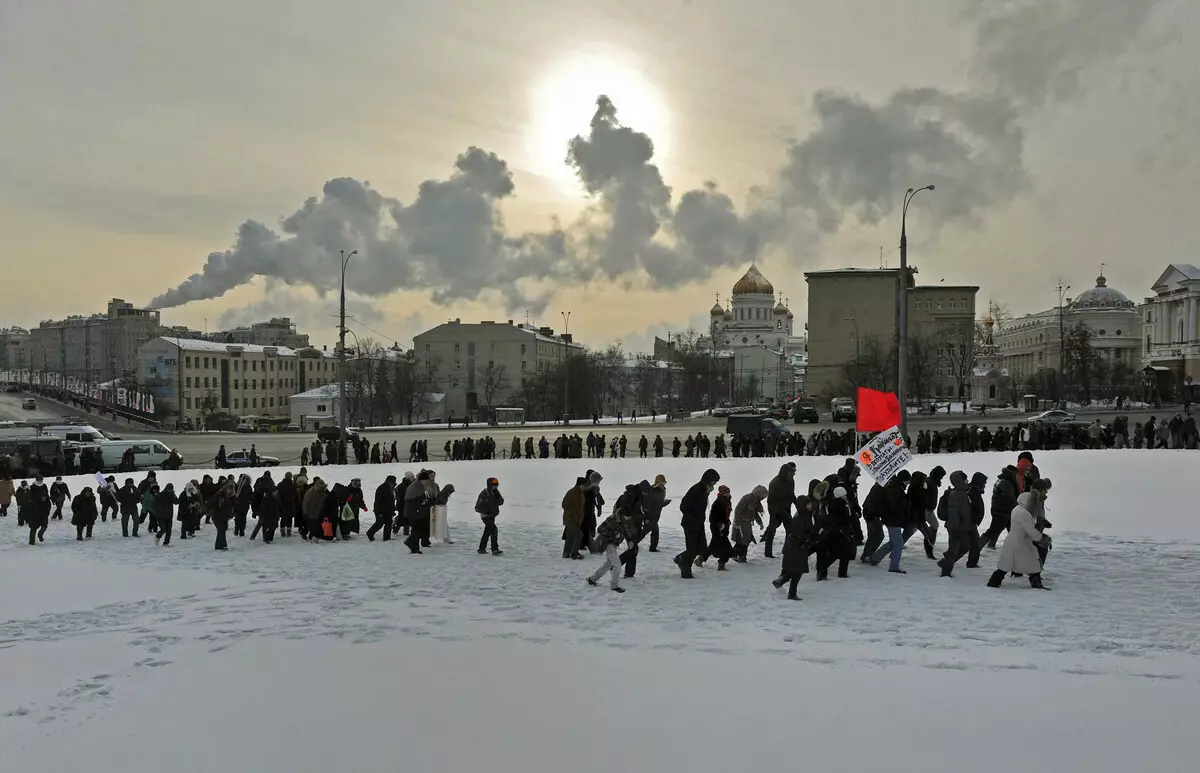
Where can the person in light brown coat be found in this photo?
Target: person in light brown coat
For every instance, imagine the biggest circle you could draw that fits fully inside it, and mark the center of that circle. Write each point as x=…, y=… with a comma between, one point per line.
x=573, y=513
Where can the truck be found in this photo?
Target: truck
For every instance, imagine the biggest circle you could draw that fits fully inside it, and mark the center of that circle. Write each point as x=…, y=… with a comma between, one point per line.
x=842, y=409
x=754, y=425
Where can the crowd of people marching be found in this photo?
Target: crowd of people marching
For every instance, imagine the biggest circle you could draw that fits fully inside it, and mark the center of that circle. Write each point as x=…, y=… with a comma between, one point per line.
x=824, y=520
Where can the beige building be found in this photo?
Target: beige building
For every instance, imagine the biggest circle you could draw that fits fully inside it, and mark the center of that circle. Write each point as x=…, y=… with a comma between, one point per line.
x=1170, y=324
x=96, y=348
x=192, y=379
x=852, y=318
x=278, y=331
x=14, y=350
x=1032, y=344
x=471, y=362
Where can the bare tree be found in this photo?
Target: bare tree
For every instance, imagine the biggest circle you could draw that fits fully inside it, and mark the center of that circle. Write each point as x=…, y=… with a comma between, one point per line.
x=493, y=384
x=875, y=367
x=922, y=364
x=958, y=354
x=1083, y=365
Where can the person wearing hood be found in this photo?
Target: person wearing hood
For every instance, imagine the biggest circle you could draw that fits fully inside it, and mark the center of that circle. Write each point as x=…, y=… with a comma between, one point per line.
x=401, y=521
x=975, y=493
x=289, y=503
x=872, y=513
x=622, y=525
x=311, y=508
x=221, y=506
x=651, y=500
x=1041, y=490
x=801, y=538
x=748, y=512
x=1004, y=498
x=488, y=505
x=720, y=522
x=83, y=513
x=241, y=507
x=933, y=485
x=1019, y=553
x=417, y=502
x=955, y=507
x=443, y=499
x=385, y=509
x=573, y=509
x=163, y=508
x=781, y=493
x=836, y=539
x=694, y=507
x=127, y=502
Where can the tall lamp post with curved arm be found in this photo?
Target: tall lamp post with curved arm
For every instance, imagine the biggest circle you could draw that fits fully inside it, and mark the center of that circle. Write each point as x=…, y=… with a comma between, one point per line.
x=342, y=349
x=902, y=301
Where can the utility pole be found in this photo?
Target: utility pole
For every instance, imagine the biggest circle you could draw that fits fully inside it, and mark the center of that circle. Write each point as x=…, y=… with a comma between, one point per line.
x=902, y=300
x=1062, y=343
x=342, y=402
x=670, y=377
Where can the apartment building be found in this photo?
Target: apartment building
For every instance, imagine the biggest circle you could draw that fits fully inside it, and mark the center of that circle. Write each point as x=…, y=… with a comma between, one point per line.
x=95, y=348
x=191, y=379
x=278, y=331
x=468, y=361
x=851, y=310
x=14, y=349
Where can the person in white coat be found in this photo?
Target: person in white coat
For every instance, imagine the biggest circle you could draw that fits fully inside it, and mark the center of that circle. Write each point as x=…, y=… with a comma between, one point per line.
x=1019, y=553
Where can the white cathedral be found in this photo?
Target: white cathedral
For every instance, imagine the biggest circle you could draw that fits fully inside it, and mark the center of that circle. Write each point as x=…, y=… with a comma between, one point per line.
x=755, y=329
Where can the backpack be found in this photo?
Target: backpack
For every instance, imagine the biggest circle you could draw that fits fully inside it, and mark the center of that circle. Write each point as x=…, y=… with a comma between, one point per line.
x=943, y=505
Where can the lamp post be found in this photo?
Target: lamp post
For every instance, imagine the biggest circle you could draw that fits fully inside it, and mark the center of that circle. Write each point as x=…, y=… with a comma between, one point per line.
x=902, y=301
x=566, y=315
x=342, y=352
x=1062, y=344
x=857, y=350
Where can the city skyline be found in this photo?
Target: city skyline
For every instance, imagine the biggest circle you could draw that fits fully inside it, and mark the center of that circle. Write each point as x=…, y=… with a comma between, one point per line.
x=1055, y=133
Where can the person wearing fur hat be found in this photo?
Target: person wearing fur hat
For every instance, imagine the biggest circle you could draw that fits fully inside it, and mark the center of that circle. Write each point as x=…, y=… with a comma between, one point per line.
x=748, y=512
x=720, y=520
x=694, y=507
x=836, y=539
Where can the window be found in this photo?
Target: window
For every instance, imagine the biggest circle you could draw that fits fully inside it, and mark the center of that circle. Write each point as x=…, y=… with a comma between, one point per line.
x=454, y=383
x=1147, y=343
x=187, y=402
x=272, y=364
x=188, y=382
x=456, y=348
x=235, y=403
x=206, y=363
x=953, y=305
x=254, y=384
x=272, y=402
x=522, y=348
x=235, y=383
x=522, y=363
x=255, y=402
x=206, y=382
x=322, y=408
x=470, y=349
x=1101, y=331
x=939, y=304
x=187, y=361
x=427, y=348
x=235, y=364
x=457, y=364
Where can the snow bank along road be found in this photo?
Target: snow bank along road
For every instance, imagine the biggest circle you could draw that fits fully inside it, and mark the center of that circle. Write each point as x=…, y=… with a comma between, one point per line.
x=116, y=655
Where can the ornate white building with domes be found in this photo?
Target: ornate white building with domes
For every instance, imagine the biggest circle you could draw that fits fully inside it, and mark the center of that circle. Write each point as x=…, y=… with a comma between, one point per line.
x=756, y=329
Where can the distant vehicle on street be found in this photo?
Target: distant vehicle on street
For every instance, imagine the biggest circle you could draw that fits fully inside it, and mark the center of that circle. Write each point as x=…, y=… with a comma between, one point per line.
x=1053, y=417
x=805, y=412
x=29, y=404
x=242, y=459
x=293, y=428
x=842, y=409
x=754, y=425
x=331, y=432
x=147, y=454
x=13, y=388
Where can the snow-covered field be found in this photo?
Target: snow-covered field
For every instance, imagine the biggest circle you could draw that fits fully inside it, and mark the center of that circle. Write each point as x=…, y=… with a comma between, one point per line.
x=116, y=655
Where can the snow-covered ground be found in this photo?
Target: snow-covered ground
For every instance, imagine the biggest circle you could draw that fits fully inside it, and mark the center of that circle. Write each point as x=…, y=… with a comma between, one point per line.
x=116, y=655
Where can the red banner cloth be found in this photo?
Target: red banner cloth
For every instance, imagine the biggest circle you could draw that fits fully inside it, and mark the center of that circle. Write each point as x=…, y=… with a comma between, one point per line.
x=876, y=411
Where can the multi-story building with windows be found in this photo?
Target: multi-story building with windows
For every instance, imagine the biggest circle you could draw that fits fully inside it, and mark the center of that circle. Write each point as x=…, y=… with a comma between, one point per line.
x=468, y=361
x=14, y=349
x=192, y=379
x=93, y=349
x=1170, y=326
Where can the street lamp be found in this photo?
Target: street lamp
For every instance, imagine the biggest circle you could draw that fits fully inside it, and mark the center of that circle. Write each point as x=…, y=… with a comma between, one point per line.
x=857, y=350
x=566, y=315
x=342, y=350
x=1062, y=344
x=902, y=300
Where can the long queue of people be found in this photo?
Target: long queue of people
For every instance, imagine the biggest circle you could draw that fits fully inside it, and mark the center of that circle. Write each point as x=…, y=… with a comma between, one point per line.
x=826, y=522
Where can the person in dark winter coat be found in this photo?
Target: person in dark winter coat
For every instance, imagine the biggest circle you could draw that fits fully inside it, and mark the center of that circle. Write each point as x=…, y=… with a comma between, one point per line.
x=895, y=516
x=221, y=506
x=385, y=509
x=488, y=505
x=651, y=501
x=312, y=508
x=573, y=506
x=933, y=485
x=801, y=538
x=59, y=495
x=720, y=523
x=163, y=507
x=781, y=493
x=694, y=507
x=127, y=502
x=872, y=512
x=593, y=509
x=268, y=513
x=959, y=521
x=108, y=499
x=417, y=502
x=1004, y=499
x=401, y=522
x=241, y=506
x=39, y=510
x=619, y=527
x=836, y=539
x=83, y=513
x=289, y=504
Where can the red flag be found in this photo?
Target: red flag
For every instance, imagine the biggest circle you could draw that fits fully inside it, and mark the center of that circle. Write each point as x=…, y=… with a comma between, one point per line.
x=876, y=411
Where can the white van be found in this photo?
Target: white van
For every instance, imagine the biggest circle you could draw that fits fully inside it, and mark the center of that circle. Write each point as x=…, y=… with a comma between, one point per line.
x=79, y=433
x=147, y=454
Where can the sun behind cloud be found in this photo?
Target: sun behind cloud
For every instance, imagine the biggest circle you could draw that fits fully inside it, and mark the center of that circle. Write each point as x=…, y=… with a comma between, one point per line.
x=564, y=99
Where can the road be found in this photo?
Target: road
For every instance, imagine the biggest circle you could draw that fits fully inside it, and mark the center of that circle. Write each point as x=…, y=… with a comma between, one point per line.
x=197, y=449
x=48, y=410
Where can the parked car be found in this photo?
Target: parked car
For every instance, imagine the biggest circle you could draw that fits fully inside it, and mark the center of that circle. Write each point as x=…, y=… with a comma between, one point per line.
x=330, y=432
x=147, y=454
x=754, y=425
x=842, y=409
x=12, y=388
x=805, y=412
x=293, y=428
x=1053, y=417
x=242, y=459
x=29, y=404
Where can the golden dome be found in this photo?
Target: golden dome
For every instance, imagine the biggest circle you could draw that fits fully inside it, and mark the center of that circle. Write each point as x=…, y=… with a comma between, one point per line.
x=753, y=283
x=716, y=311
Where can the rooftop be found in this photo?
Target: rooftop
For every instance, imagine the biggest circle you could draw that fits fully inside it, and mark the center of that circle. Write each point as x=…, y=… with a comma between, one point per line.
x=196, y=345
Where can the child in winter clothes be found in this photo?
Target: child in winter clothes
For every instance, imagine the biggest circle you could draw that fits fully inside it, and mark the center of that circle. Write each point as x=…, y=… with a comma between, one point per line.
x=619, y=527
x=801, y=539
x=487, y=504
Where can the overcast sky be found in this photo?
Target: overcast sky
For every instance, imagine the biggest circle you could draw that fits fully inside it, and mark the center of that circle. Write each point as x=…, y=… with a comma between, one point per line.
x=141, y=136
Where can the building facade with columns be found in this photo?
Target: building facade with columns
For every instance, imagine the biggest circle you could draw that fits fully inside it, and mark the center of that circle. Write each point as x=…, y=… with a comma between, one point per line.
x=1032, y=345
x=1170, y=324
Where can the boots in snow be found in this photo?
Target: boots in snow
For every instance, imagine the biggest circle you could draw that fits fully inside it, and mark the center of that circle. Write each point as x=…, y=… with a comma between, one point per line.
x=996, y=578
x=929, y=551
x=1035, y=581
